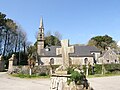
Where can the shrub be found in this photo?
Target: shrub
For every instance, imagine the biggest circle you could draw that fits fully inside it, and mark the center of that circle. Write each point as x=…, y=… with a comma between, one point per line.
x=77, y=77
x=112, y=68
x=90, y=69
x=98, y=69
x=70, y=70
x=43, y=74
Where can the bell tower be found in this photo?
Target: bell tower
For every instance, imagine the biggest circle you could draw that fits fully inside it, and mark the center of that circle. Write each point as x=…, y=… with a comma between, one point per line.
x=40, y=38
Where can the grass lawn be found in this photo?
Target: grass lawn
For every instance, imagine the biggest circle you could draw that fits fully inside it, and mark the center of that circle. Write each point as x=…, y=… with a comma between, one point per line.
x=48, y=76
x=100, y=75
x=29, y=76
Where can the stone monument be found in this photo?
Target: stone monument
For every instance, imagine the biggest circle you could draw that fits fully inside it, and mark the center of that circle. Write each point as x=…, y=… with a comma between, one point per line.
x=64, y=51
x=1, y=63
x=59, y=79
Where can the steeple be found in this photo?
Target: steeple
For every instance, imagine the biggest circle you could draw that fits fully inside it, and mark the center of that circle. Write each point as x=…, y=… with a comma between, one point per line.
x=41, y=23
x=40, y=38
x=41, y=31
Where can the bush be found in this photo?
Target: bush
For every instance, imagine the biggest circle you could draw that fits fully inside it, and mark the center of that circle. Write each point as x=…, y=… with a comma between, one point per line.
x=112, y=68
x=43, y=74
x=77, y=77
x=90, y=69
x=70, y=70
x=84, y=69
x=98, y=69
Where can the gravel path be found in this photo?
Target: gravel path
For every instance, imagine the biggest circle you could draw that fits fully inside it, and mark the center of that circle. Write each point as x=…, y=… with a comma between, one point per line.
x=12, y=83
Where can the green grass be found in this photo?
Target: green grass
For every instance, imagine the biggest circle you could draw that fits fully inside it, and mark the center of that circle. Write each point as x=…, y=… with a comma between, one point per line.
x=29, y=76
x=100, y=75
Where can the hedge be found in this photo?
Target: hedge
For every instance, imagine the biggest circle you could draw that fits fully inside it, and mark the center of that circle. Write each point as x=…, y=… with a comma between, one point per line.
x=109, y=68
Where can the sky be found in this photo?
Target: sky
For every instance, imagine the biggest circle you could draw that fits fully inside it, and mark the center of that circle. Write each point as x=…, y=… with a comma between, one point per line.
x=76, y=20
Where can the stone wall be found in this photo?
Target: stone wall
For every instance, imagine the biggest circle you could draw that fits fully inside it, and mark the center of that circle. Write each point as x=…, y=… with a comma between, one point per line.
x=2, y=63
x=36, y=70
x=59, y=82
x=46, y=60
x=80, y=60
x=58, y=60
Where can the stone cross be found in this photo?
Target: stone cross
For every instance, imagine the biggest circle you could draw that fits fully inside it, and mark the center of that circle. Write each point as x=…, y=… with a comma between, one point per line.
x=65, y=50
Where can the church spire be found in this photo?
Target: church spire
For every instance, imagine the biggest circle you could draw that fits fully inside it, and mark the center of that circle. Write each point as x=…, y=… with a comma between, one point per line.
x=41, y=23
x=40, y=38
x=41, y=31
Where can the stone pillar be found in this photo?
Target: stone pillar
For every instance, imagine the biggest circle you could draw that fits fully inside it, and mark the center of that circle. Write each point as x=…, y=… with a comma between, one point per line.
x=10, y=67
x=12, y=61
x=1, y=64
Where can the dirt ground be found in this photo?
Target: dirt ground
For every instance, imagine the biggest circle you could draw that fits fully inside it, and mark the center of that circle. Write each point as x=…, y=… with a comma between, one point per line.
x=12, y=83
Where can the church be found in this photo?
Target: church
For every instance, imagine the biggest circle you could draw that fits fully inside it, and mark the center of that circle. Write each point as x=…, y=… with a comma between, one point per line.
x=82, y=54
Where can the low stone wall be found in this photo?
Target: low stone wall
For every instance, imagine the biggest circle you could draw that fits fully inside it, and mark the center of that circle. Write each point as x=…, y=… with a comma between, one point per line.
x=59, y=82
x=36, y=70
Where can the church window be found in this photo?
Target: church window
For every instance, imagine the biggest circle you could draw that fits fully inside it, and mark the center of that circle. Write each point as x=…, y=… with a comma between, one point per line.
x=40, y=36
x=85, y=60
x=51, y=61
x=108, y=61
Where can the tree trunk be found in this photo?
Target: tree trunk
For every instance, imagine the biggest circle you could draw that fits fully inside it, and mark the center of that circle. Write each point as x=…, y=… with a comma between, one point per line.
x=4, y=49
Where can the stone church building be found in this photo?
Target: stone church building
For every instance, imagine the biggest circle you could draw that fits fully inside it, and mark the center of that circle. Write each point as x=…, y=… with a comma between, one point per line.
x=82, y=54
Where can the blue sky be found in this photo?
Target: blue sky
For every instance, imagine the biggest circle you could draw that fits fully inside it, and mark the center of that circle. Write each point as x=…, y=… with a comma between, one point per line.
x=77, y=20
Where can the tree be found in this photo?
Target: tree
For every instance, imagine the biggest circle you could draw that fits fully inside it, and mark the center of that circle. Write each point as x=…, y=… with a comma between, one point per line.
x=52, y=40
x=31, y=49
x=12, y=38
x=102, y=42
x=2, y=25
x=10, y=34
x=2, y=19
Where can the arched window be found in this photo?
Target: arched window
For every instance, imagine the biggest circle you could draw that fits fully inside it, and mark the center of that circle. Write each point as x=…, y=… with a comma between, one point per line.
x=108, y=61
x=40, y=36
x=52, y=61
x=85, y=60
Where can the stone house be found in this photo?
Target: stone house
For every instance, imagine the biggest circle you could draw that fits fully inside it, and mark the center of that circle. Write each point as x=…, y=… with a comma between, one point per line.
x=108, y=56
x=81, y=55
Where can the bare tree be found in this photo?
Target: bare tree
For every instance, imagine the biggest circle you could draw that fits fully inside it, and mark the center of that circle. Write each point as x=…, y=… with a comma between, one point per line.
x=58, y=35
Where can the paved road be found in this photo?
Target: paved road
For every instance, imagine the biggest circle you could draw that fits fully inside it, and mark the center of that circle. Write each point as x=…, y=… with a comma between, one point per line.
x=12, y=83
x=105, y=83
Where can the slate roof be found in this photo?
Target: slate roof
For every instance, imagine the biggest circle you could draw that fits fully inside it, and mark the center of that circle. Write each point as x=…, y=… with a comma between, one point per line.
x=80, y=51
